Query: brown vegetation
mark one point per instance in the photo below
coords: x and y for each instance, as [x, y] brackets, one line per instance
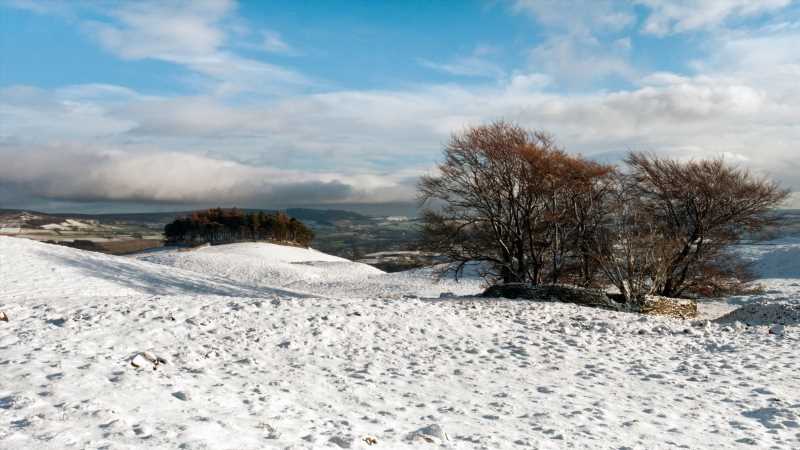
[514, 200]
[118, 247]
[699, 208]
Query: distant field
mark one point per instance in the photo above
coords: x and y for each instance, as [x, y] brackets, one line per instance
[116, 247]
[341, 233]
[82, 232]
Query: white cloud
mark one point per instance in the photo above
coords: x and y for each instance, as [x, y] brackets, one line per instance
[188, 116]
[196, 35]
[81, 112]
[164, 30]
[360, 135]
[579, 15]
[676, 16]
[273, 42]
[579, 59]
[477, 64]
[469, 66]
[81, 174]
[794, 200]
[662, 17]
[368, 145]
[41, 6]
[232, 74]
[585, 41]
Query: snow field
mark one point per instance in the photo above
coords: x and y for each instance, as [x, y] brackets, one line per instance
[253, 363]
[307, 270]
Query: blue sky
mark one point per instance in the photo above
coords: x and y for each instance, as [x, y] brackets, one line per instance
[343, 45]
[285, 103]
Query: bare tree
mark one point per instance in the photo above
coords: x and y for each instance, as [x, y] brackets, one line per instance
[671, 223]
[481, 186]
[512, 199]
[699, 208]
[576, 190]
[509, 197]
[627, 247]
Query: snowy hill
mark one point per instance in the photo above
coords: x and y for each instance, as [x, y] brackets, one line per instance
[276, 347]
[29, 268]
[306, 270]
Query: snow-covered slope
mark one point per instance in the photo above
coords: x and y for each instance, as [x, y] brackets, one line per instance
[260, 264]
[251, 366]
[777, 266]
[306, 270]
[778, 259]
[29, 269]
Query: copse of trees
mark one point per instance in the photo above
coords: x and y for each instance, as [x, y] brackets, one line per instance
[513, 199]
[678, 219]
[217, 226]
[532, 213]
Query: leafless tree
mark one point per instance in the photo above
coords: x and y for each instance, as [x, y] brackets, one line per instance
[671, 224]
[510, 198]
[699, 207]
[627, 246]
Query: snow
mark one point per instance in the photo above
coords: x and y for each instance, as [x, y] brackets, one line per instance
[306, 270]
[778, 259]
[764, 313]
[69, 224]
[30, 269]
[280, 347]
[777, 265]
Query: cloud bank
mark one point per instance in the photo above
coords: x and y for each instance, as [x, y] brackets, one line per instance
[65, 173]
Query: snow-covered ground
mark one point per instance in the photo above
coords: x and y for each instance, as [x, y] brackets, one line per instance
[70, 224]
[278, 347]
[777, 263]
[308, 271]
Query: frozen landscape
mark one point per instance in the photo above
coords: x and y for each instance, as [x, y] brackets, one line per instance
[252, 346]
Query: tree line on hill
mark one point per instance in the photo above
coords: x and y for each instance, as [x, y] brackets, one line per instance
[534, 214]
[219, 226]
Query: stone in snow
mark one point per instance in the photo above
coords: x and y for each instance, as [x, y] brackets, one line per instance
[3, 316]
[147, 360]
[433, 434]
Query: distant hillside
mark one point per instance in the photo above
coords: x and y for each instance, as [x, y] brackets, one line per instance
[344, 233]
[325, 216]
[159, 219]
